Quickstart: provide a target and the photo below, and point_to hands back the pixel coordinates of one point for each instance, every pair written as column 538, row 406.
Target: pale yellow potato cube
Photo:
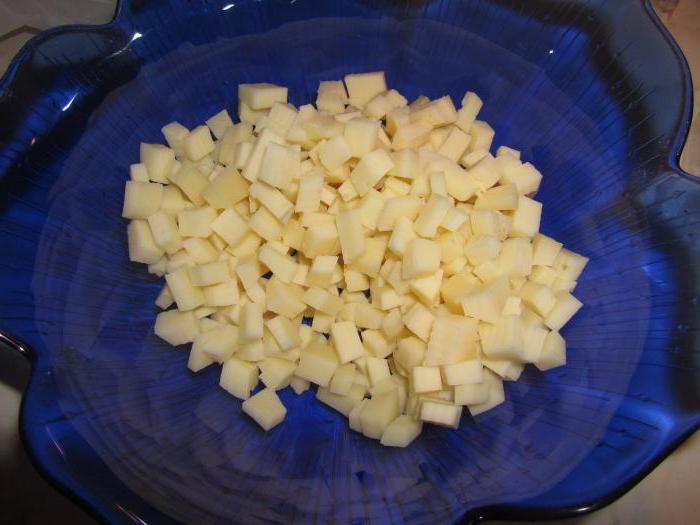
column 173, row 200
column 503, row 339
column 427, row 289
column 455, row 144
column 486, row 302
column 343, row 379
column 482, row 135
column 343, row 404
column 261, row 96
column 141, row 199
column 411, row 135
column 378, row 413
column 463, row 373
column 419, row 320
column 197, row 359
column 226, row 189
column 409, row 354
column 321, row 271
column 284, row 331
column 440, row 413
column 322, row 322
column 273, row 200
column 196, row 222
column 321, row 239
column 158, row 160
column 496, row 394
column 175, row 327
column 251, row 325
column 281, row 265
column 191, row 182
column 370, row 260
column 355, row 281
column 569, row 265
column 165, row 232
column 223, row 294
column 299, row 385
column 317, row 363
column 421, row 258
column 525, row 176
column 219, row 343
column 392, row 324
column 544, row 250
column 165, row 298
column 230, row 227
column 219, row 123
column 471, row 393
column 538, row 297
column 452, row 339
column 248, row 272
column 280, row 165
column 265, row 408
column 198, row 143
column 350, row 235
column 324, row 302
column 275, row 373
column 481, row 248
column 361, row 136
column 401, row 432
column 526, row 218
column 553, row 352
column 503, row 197
column 266, row 225
column 471, row 105
column 564, row 309
column 363, row 87
column 426, row 379
column 284, row 299
column 406, row 206
column 346, row 341
column 210, row 273
column 430, row 217
column 186, row 295
column 174, row 133
column 402, row 233
column 310, row 191
column 371, row 168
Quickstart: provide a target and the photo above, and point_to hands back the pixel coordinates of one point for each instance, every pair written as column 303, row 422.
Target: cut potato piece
column 375, row 248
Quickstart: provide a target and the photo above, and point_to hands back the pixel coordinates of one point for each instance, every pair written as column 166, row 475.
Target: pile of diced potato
column 412, row 248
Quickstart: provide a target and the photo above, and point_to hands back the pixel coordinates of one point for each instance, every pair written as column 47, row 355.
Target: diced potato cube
column 321, row 271
column 544, row 250
column 503, row 339
column 426, row 379
column 198, row 143
column 158, row 160
column 421, row 258
column 230, row 227
column 343, row 404
column 196, row 222
column 569, row 265
column 261, row 96
column 526, row 219
column 361, row 136
column 284, row 331
column 273, row 200
column 440, row 413
column 431, row 216
column 455, row 144
column 141, row 199
column 363, row 87
column 223, row 294
column 283, row 299
column 538, row 297
column 401, row 432
column 275, row 373
column 280, row 165
column 279, row 264
column 317, row 363
column 553, row 352
column 191, row 181
column 371, row 168
column 378, row 413
column 210, row 273
column 265, row 408
column 486, row 301
column 176, row 328
column 310, row 190
column 251, row 325
column 419, row 320
column 343, row 379
column 219, row 343
column 350, row 234
column 346, row 341
column 219, row 123
column 186, row 295
column 471, row 393
column 564, row 309
column 496, row 394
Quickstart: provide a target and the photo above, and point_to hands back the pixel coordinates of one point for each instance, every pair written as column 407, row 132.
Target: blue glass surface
column 594, row 93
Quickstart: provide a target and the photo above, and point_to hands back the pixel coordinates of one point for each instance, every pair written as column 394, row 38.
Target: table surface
column 667, row 495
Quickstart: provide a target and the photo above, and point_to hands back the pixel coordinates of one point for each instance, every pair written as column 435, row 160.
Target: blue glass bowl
column 595, row 93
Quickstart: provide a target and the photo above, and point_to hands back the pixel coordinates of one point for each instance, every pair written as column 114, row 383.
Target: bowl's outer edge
column 52, row 472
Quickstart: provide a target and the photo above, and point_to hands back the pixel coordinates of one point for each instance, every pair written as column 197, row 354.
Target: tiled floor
column 668, row 495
